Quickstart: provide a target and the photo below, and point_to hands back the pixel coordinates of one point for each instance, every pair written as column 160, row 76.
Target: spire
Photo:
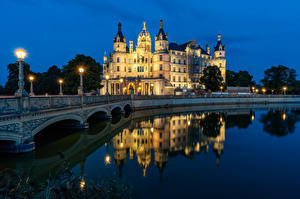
column 219, row 45
column 144, row 26
column 119, row 27
column 119, row 37
column 161, row 33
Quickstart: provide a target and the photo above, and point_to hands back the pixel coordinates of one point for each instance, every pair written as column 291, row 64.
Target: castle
column 143, row 72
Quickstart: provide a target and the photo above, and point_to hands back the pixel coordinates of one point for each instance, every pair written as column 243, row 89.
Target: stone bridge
column 23, row 118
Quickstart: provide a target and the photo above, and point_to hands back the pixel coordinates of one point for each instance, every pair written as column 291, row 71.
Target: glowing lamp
column 20, row 53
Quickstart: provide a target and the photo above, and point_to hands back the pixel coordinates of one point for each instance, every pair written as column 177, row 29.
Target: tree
column 91, row 77
column 2, row 90
column 11, row 85
column 277, row 77
column 230, row 78
column 47, row 82
column 211, row 78
column 241, row 78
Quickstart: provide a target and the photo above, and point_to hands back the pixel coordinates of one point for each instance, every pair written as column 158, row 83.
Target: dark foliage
column 279, row 122
column 91, row 77
column 211, row 78
column 277, row 77
column 241, row 78
column 11, row 85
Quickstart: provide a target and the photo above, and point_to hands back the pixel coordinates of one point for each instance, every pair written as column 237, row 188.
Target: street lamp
column 263, row 90
column 284, row 90
column 107, row 78
column 31, row 78
column 81, row 71
column 221, row 87
column 21, row 54
column 121, row 86
column 60, row 81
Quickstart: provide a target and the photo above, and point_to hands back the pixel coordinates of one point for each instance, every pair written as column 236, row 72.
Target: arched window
column 118, row 68
column 179, row 61
column 174, row 61
column 118, row 59
column 160, row 67
column 160, row 57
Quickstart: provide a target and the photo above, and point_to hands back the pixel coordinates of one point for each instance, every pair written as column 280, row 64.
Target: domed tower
column 161, row 57
column 219, row 57
column 144, row 41
column 120, row 40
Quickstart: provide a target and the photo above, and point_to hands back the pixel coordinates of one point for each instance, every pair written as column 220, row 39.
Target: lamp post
column 263, row 90
column 284, row 90
column 60, row 81
column 121, row 86
column 221, row 87
column 81, row 71
column 21, row 54
column 107, row 78
column 31, row 79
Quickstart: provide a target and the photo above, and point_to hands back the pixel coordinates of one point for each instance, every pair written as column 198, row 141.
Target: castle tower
column 120, row 40
column 219, row 57
column 161, row 57
column 144, row 41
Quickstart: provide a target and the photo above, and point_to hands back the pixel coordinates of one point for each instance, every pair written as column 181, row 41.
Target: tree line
column 275, row 78
column 47, row 82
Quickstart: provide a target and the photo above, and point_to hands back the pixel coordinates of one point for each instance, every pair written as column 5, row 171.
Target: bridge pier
column 17, row 147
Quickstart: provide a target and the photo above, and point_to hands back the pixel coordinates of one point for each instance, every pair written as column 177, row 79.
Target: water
column 233, row 153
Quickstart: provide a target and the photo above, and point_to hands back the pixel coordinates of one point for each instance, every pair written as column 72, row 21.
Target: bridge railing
column 15, row 105
column 12, row 105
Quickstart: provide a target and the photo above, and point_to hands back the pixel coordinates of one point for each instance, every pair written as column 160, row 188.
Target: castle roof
column 182, row 47
column 161, row 33
column 119, row 34
column 219, row 45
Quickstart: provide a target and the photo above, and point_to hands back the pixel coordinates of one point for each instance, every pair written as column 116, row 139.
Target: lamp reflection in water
column 107, row 158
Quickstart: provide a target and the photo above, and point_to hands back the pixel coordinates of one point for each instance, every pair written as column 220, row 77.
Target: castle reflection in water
column 166, row 136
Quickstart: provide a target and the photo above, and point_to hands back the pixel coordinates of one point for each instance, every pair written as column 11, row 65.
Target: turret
column 161, row 39
column 105, row 58
column 207, row 49
column 104, row 62
column 219, row 51
column 120, row 40
column 219, row 57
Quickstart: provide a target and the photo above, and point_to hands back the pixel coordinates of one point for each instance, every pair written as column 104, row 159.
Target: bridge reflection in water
column 143, row 137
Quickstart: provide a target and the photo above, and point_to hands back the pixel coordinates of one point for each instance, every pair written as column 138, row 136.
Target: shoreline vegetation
column 64, row 184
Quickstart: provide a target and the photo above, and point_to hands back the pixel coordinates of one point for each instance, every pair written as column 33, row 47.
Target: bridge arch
column 127, row 109
column 117, row 109
column 54, row 120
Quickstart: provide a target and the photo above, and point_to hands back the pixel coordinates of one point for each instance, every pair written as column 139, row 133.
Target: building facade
column 141, row 71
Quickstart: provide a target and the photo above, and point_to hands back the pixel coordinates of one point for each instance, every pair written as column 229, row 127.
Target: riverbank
column 145, row 103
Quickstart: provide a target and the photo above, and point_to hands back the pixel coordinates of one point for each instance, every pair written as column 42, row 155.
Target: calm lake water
column 233, row 153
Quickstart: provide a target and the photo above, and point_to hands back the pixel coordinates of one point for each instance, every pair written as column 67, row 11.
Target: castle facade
column 141, row 71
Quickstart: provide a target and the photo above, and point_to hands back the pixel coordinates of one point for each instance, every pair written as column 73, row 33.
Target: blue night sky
column 257, row 33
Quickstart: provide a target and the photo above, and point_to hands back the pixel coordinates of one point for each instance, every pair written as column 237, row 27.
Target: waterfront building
column 141, row 71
